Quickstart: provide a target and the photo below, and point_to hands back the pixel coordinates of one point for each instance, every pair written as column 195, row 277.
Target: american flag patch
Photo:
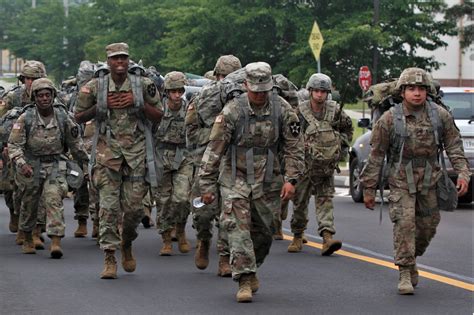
column 85, row 89
column 16, row 126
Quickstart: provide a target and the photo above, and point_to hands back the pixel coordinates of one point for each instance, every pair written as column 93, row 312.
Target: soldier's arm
column 293, row 144
column 219, row 141
column 153, row 108
column 454, row 147
column 191, row 124
column 380, row 144
column 17, row 142
column 74, row 141
column 85, row 109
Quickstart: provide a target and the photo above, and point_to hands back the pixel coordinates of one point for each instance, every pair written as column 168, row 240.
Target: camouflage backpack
column 7, row 122
column 324, row 142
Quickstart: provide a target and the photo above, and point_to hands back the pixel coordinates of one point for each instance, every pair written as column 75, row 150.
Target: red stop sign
column 365, row 78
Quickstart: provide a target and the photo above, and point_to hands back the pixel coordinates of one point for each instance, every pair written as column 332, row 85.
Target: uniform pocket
column 395, row 208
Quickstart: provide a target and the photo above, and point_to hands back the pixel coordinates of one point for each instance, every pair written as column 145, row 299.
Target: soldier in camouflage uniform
column 248, row 136
column 175, row 166
column 122, row 104
column 413, row 170
column 18, row 97
column 200, row 117
column 37, row 146
column 325, row 127
column 82, row 204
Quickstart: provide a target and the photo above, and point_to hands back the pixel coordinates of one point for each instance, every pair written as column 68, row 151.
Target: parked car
column 461, row 102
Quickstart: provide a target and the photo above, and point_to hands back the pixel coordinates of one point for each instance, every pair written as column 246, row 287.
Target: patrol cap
column 258, row 76
column 116, row 49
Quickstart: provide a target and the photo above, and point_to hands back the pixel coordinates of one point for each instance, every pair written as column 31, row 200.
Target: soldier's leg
column 81, row 209
column 236, row 220
column 17, row 197
column 31, row 194
column 324, row 193
column 108, row 183
column 299, row 219
column 180, row 202
column 13, row 225
column 147, row 221
column 166, row 216
column 133, row 191
column 263, row 214
column 94, row 209
column 402, row 214
column 52, row 199
column 280, row 216
column 427, row 218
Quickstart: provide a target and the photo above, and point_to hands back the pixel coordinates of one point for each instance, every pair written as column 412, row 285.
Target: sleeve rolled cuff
column 369, row 192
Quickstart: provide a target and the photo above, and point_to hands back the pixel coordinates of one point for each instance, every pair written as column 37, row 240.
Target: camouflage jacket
column 261, row 135
column 40, row 139
column 419, row 146
column 18, row 96
column 122, row 138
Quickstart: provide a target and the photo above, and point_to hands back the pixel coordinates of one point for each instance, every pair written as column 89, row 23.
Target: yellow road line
column 380, row 262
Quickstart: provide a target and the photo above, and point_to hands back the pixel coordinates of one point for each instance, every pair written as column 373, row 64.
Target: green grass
column 357, row 131
column 10, row 80
column 356, row 106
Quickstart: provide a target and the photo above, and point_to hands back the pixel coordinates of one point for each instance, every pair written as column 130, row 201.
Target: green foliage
column 189, row 35
column 460, row 12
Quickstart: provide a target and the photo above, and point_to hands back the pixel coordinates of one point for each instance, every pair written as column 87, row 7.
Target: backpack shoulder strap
column 433, row 114
column 330, row 109
column 308, row 115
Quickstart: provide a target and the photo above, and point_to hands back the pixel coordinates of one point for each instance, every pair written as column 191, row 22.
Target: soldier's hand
column 26, row 170
column 369, row 202
column 462, row 186
column 126, row 99
column 208, row 198
column 5, row 153
column 113, row 100
column 287, row 191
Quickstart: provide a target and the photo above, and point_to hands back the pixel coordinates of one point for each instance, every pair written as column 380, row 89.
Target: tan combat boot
column 254, row 283
column 129, row 262
column 329, row 245
column 13, row 225
column 110, row 266
column 81, row 228
column 28, row 246
column 20, row 237
column 414, row 275
column 201, row 258
column 244, row 295
column 55, row 250
column 305, row 240
column 167, row 249
column 36, row 238
column 183, row 244
column 224, row 266
column 404, row 283
column 296, row 244
column 278, row 235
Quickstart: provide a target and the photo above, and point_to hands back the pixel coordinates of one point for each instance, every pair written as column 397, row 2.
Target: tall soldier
column 122, row 104
column 20, row 96
column 248, row 136
column 325, row 128
column 200, row 118
column 409, row 133
column 37, row 146
column 175, row 166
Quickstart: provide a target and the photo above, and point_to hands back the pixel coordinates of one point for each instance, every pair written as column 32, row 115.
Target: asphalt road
column 359, row 280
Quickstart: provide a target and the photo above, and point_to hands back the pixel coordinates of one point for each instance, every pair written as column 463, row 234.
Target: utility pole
column 33, row 4
column 375, row 58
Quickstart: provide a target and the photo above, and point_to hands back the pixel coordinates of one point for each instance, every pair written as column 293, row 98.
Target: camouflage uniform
column 200, row 117
column 250, row 192
column 176, row 168
column 413, row 207
column 317, row 182
column 119, row 172
column 20, row 96
column 42, row 145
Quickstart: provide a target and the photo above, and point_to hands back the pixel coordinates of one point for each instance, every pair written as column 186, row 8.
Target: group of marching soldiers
column 123, row 138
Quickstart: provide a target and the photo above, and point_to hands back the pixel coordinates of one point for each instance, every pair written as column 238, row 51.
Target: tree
column 456, row 14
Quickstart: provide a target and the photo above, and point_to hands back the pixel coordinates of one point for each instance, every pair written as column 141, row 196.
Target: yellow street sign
column 316, row 41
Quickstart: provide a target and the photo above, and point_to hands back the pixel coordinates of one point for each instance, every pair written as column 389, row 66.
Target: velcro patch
column 295, row 128
column 219, row 119
column 16, row 126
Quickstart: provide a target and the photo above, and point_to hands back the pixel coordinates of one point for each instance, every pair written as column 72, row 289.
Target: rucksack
column 324, row 142
column 7, row 122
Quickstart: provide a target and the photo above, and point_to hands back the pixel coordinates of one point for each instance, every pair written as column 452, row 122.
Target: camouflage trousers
column 172, row 197
column 323, row 190
column 249, row 226
column 281, row 215
column 204, row 218
column 81, row 202
column 121, row 195
column 415, row 219
column 44, row 199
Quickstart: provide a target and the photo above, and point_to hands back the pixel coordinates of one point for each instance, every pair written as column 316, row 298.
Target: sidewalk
column 342, row 179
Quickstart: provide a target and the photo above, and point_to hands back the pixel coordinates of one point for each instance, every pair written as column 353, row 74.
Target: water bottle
column 197, row 203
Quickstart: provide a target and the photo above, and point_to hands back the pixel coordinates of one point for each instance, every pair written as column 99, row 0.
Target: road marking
column 391, row 265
